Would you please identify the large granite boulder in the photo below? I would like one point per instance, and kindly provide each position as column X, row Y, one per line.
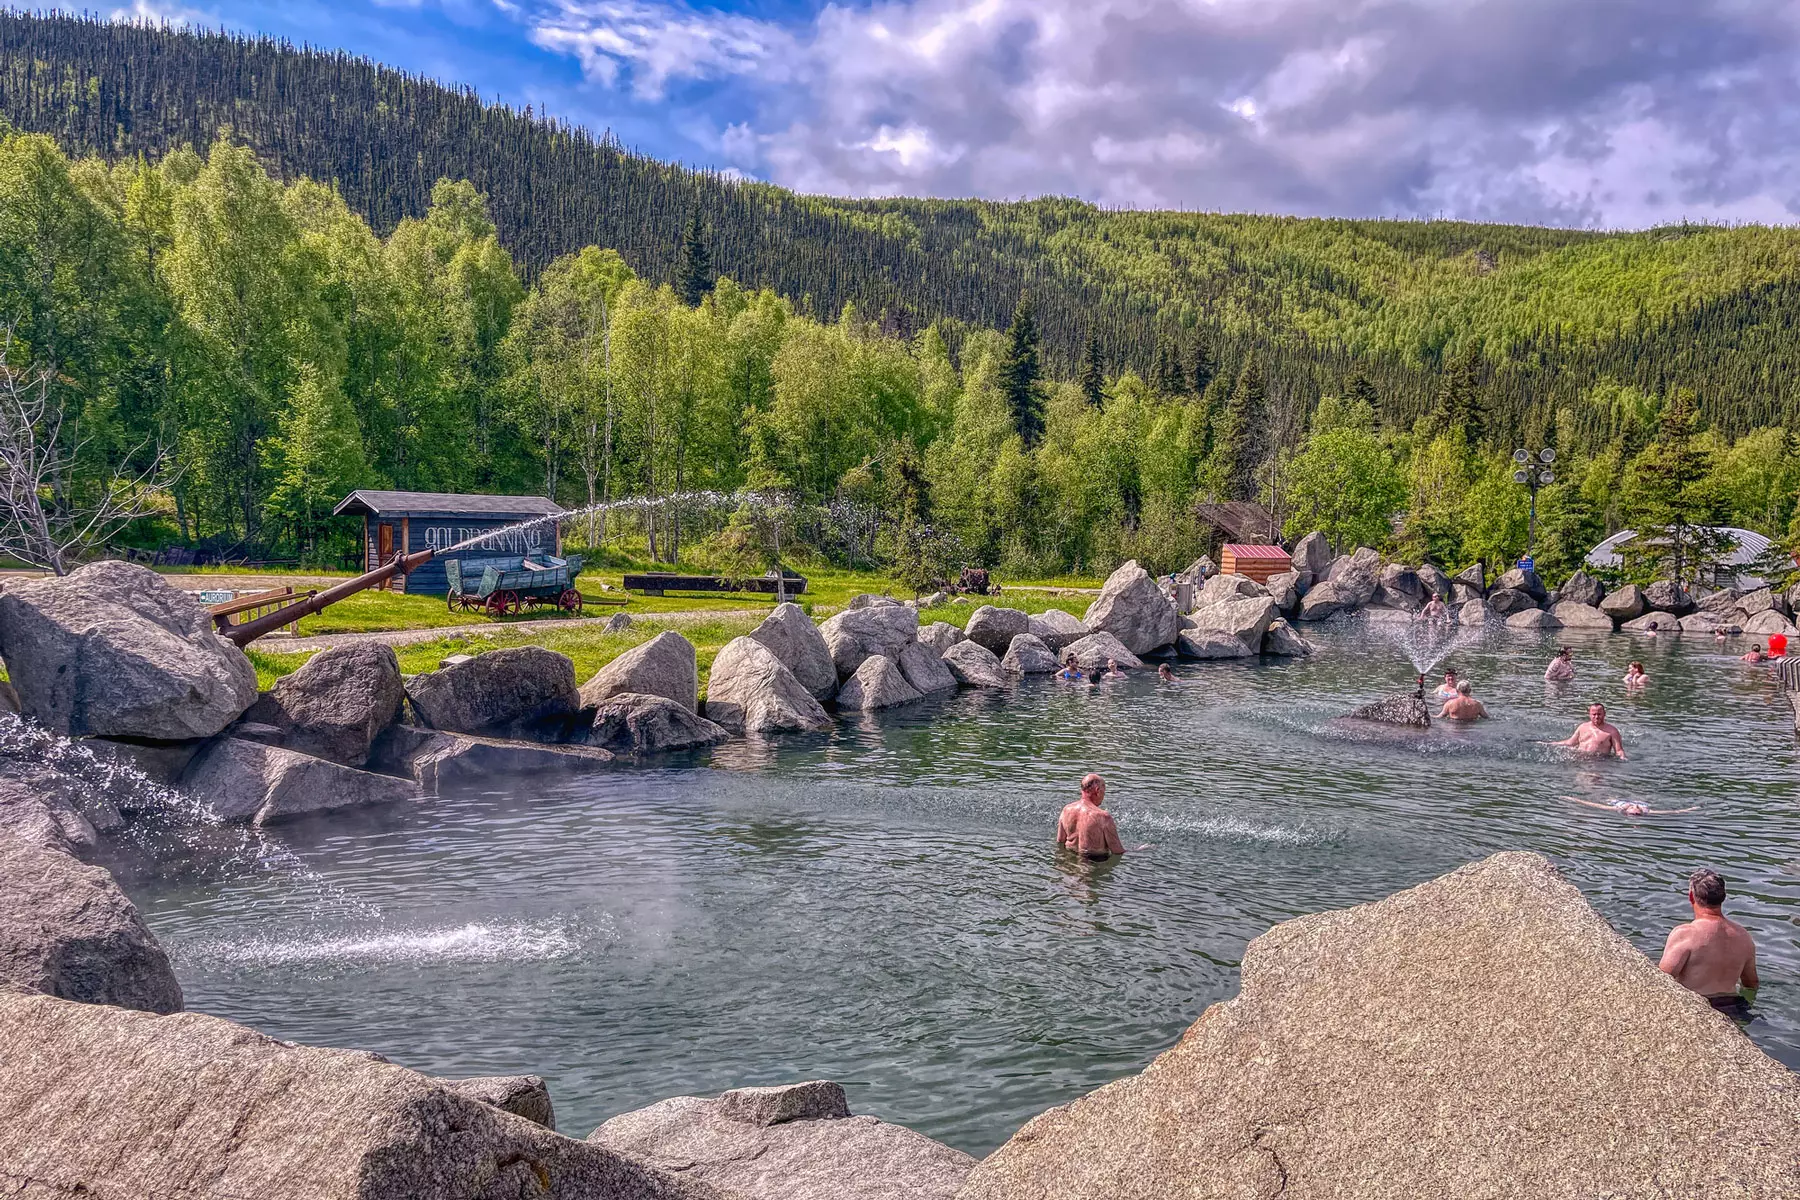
column 1399, row 586
column 521, row 1095
column 1211, row 643
column 112, row 650
column 1576, row 615
column 1028, row 656
column 439, row 762
column 630, row 723
column 1719, row 603
column 1245, row 619
column 1520, row 580
column 1532, row 619
column 1582, row 588
column 1507, row 601
column 749, row 691
column 66, row 929
column 1701, row 621
column 1133, row 609
column 1760, row 601
column 995, row 628
column 883, row 629
column 1436, row 582
column 1624, row 603
column 104, row 1102
column 1364, row 562
column 1221, row 588
column 1400, row 1049
column 1349, row 589
column 1409, row 711
column 1468, row 584
column 1285, row 641
column 925, row 670
column 1284, row 590
column 787, row 1143
column 974, row 666
column 878, row 683
column 337, row 703
column 1765, row 623
column 1092, row 652
column 1474, row 613
column 521, row 691
column 1670, row 597
column 1312, row 556
column 239, row 780
column 1056, row 628
column 791, row 637
column 939, row 636
column 663, row 666
column 1653, row 622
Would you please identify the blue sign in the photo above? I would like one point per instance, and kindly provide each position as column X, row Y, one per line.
column 1526, row 564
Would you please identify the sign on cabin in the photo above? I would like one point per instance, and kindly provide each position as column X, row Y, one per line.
column 405, row 522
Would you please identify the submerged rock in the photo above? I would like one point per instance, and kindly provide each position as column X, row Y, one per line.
column 440, row 761
column 663, row 666
column 1396, row 710
column 750, row 691
column 790, row 635
column 1483, row 1035
column 521, row 691
column 113, row 650
column 878, row 683
column 112, row 1103
column 995, row 628
column 1028, row 656
column 974, row 666
column 336, row 704
column 240, row 780
column 787, row 1143
column 67, row 930
column 1133, row 610
column 630, row 723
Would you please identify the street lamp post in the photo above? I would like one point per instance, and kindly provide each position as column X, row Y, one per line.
column 1534, row 472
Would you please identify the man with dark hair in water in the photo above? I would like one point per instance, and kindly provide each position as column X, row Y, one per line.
column 1711, row 954
column 1086, row 827
column 1562, row 667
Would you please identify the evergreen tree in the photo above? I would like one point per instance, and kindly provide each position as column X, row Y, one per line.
column 696, row 277
column 1239, row 443
column 1459, row 403
column 1093, row 374
column 1020, row 373
column 1170, row 379
column 1360, row 391
column 1201, row 365
column 1674, row 501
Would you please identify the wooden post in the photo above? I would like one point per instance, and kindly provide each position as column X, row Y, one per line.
column 405, row 548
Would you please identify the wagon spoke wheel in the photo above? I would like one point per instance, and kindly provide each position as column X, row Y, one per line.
column 496, row 604
column 571, row 601
column 514, row 604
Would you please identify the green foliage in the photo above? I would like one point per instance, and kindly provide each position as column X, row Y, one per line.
column 1020, row 374
column 1242, row 436
column 1344, row 483
column 1675, row 501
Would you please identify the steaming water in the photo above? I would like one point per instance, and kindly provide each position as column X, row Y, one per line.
column 881, row 905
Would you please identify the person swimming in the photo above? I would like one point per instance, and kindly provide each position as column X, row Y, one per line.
column 1634, row 675
column 1712, row 954
column 1596, row 737
column 1071, row 669
column 1562, row 667
column 1112, row 670
column 1447, row 689
column 1630, row 808
column 1756, row 657
column 1165, row 675
column 1086, row 827
column 1465, row 707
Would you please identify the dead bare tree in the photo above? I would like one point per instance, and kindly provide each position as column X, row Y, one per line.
column 41, row 521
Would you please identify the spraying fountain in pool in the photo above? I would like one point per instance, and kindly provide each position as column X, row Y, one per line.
column 1425, row 644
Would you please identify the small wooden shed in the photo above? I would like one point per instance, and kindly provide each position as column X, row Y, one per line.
column 402, row 522
column 1254, row 562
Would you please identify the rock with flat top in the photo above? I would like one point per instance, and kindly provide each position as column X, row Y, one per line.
column 663, row 666
column 67, row 930
column 1028, row 656
column 336, row 704
column 882, row 629
column 1245, row 619
column 787, row 1143
column 1388, row 1050
column 1133, row 610
column 995, row 628
column 1704, row 621
column 1211, row 643
column 1092, row 652
column 1056, row 628
column 1221, row 588
column 113, row 650
column 939, row 636
column 521, row 1095
column 239, row 780
column 121, row 1105
column 1624, row 603
column 629, row 723
column 925, row 670
column 1653, row 622
column 1576, row 615
column 1507, row 601
column 791, row 637
column 439, row 761
column 974, row 666
column 1533, row 619
column 518, row 692
column 749, row 691
column 878, row 683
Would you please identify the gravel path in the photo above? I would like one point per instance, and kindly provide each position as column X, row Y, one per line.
column 278, row 643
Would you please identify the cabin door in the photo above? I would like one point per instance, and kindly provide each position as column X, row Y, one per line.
column 384, row 546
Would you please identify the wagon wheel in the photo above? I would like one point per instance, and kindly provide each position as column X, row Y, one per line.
column 570, row 601
column 496, row 604
column 514, row 604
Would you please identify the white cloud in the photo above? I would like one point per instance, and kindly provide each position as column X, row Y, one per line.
column 1621, row 113
column 150, row 12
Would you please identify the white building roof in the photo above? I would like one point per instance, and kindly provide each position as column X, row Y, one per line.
column 1747, row 547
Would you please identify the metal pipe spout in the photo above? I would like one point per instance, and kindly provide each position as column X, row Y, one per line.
column 306, row 606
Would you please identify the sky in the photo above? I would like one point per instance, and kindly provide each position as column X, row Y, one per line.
column 1593, row 113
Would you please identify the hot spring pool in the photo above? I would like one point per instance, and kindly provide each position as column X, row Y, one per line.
column 882, row 905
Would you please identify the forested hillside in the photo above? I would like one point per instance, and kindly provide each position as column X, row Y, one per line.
column 372, row 280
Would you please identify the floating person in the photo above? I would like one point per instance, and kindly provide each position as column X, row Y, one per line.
column 1712, row 954
column 1634, row 675
column 1447, row 689
column 1631, row 808
column 1436, row 610
column 1463, row 706
column 1596, row 738
column 1164, row 675
column 1756, row 657
column 1562, row 667
column 1086, row 827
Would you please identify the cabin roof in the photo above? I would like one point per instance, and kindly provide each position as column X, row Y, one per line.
column 364, row 502
column 1250, row 551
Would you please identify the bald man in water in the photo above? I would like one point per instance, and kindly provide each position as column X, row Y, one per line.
column 1712, row 954
column 1086, row 827
column 1596, row 738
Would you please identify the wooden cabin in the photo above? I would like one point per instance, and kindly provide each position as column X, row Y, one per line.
column 1254, row 562
column 404, row 522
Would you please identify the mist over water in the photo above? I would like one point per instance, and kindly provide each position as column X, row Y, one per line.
column 881, row 905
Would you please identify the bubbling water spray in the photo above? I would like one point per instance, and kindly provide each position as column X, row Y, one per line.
column 1428, row 643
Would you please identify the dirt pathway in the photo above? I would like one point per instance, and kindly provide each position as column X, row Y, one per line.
column 281, row 643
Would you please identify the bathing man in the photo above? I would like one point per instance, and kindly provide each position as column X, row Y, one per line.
column 1086, row 827
column 1712, row 954
column 1595, row 738
column 1562, row 667
column 1435, row 609
column 1464, row 706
